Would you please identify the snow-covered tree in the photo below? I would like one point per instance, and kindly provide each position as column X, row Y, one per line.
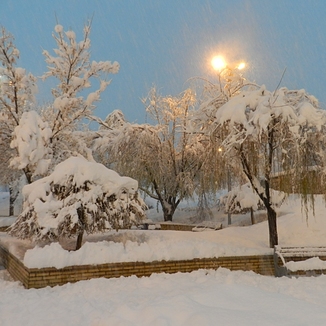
column 17, row 90
column 114, row 120
column 31, row 138
column 56, row 138
column 71, row 65
column 166, row 159
column 79, row 196
column 263, row 133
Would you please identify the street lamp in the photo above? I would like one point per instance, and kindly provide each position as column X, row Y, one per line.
column 218, row 63
column 241, row 65
column 230, row 74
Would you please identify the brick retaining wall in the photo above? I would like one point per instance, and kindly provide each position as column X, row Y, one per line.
column 38, row 278
column 176, row 227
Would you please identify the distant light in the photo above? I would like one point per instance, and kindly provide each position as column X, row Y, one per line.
column 218, row 63
column 241, row 65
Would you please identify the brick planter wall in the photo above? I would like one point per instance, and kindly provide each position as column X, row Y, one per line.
column 15, row 267
column 176, row 227
column 38, row 278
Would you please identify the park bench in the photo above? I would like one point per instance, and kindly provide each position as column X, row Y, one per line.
column 299, row 261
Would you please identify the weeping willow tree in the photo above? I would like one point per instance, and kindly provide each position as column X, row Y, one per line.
column 273, row 139
column 169, row 161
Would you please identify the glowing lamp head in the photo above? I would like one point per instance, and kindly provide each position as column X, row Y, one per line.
column 241, row 65
column 218, row 63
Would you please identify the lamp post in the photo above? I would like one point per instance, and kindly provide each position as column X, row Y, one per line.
column 228, row 73
column 219, row 64
column 228, row 177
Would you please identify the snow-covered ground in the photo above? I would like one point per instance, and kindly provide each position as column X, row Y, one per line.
column 200, row 298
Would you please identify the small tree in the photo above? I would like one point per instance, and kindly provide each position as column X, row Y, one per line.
column 166, row 159
column 79, row 196
column 243, row 198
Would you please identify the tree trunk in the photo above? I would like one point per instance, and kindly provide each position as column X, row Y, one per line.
column 272, row 227
column 168, row 206
column 252, row 216
column 81, row 217
column 168, row 217
column 79, row 240
column 168, row 212
column 12, row 199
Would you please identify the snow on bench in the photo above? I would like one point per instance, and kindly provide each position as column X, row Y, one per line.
column 299, row 260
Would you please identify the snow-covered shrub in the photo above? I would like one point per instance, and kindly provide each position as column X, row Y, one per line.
column 243, row 198
column 78, row 196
